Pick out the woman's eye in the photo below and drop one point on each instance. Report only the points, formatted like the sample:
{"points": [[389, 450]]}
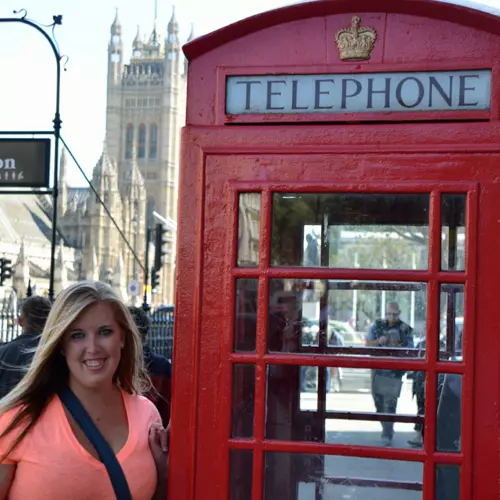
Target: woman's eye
{"points": [[106, 331], [77, 335]]}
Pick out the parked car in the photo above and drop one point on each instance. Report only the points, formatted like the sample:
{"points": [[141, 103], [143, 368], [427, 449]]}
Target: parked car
{"points": [[351, 337]]}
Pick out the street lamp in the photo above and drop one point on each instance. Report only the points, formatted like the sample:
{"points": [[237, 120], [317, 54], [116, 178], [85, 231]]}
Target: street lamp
{"points": [[135, 226]]}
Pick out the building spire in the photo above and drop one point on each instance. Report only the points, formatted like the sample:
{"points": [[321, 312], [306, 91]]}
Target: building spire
{"points": [[115, 52], [21, 271], [116, 27], [173, 25], [61, 271], [62, 201], [191, 33], [138, 44], [62, 167]]}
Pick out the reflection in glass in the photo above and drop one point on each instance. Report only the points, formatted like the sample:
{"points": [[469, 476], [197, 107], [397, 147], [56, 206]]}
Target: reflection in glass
{"points": [[447, 482], [452, 322], [453, 232], [347, 317], [248, 229], [243, 400], [312, 477], [351, 408], [312, 246], [240, 487], [350, 230], [245, 321], [449, 413]]}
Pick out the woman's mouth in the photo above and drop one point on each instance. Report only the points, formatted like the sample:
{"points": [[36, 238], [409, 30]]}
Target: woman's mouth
{"points": [[94, 364]]}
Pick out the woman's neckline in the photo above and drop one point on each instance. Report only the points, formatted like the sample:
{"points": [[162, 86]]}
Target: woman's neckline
{"points": [[80, 449]]}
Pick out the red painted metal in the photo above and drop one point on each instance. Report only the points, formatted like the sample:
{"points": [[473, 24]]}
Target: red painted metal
{"points": [[434, 153]]}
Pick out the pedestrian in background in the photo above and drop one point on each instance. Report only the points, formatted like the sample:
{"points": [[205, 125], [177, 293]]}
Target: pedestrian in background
{"points": [[76, 425], [16, 355], [387, 384], [158, 367]]}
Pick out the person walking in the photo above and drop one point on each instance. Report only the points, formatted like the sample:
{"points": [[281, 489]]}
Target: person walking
{"points": [[17, 354], [76, 426], [158, 367], [387, 384]]}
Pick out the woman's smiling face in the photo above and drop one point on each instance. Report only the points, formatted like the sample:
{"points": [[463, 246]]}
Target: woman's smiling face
{"points": [[92, 346]]}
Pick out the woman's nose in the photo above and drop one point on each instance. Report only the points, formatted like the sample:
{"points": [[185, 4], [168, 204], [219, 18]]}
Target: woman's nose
{"points": [[92, 342]]}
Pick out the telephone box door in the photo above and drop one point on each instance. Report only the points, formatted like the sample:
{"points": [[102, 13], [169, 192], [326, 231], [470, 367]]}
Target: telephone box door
{"points": [[337, 329]]}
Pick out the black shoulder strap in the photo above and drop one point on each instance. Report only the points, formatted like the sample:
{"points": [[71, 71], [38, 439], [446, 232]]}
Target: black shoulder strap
{"points": [[106, 454]]}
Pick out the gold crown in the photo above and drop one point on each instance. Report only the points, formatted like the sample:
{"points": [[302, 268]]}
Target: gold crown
{"points": [[355, 43]]}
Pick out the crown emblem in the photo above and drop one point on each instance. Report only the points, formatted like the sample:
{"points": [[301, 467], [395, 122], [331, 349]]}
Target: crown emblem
{"points": [[355, 43]]}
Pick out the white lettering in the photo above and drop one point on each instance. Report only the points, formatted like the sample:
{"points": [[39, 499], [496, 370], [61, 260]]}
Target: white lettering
{"points": [[8, 163]]}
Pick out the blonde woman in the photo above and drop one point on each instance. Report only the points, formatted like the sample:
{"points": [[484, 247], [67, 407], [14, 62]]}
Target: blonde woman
{"points": [[89, 350]]}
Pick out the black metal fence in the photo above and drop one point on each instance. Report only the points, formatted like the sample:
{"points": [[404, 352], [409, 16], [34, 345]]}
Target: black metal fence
{"points": [[160, 337], [9, 327], [161, 334]]}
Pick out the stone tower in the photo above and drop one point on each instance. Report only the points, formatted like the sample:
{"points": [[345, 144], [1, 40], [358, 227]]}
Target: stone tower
{"points": [[146, 101]]}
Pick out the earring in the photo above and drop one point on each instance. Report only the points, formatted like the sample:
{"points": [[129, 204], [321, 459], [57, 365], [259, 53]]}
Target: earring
{"points": [[123, 345]]}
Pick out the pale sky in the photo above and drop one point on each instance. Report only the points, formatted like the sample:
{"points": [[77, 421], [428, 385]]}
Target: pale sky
{"points": [[27, 81]]}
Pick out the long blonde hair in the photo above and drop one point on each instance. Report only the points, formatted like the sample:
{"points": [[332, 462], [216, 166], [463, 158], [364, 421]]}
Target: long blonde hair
{"points": [[49, 372]]}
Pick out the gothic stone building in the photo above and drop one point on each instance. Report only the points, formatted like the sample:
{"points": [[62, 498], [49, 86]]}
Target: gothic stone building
{"points": [[137, 173]]}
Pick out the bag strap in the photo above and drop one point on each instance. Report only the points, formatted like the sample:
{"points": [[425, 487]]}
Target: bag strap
{"points": [[106, 454]]}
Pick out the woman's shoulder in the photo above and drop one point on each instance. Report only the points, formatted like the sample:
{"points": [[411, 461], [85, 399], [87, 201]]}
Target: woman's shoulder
{"points": [[142, 407], [12, 425], [7, 417], [18, 417]]}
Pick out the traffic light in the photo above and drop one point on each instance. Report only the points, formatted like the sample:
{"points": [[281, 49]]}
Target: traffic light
{"points": [[155, 279], [160, 245], [5, 270]]}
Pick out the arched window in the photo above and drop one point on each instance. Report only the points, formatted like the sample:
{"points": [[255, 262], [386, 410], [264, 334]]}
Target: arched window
{"points": [[153, 141], [142, 141], [129, 141]]}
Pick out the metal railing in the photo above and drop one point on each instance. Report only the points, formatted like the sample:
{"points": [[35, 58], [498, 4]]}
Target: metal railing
{"points": [[9, 327], [161, 333]]}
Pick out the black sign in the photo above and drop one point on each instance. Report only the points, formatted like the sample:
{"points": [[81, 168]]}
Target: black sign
{"points": [[24, 162]]}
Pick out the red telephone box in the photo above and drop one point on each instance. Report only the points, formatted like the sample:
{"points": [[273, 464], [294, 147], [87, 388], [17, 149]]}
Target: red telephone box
{"points": [[338, 249]]}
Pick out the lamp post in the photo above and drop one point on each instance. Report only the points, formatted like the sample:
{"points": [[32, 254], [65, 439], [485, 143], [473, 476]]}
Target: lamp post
{"points": [[135, 226]]}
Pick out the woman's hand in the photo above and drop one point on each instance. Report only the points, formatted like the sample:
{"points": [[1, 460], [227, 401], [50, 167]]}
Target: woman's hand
{"points": [[158, 442]]}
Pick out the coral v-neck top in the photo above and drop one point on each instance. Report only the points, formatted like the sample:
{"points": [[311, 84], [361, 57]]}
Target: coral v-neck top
{"points": [[52, 464]]}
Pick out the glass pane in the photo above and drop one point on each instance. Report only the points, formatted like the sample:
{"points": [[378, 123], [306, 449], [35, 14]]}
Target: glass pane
{"points": [[243, 400], [447, 482], [452, 322], [248, 229], [245, 321], [313, 477], [449, 413], [371, 231], [363, 407], [309, 376], [453, 232], [240, 487], [347, 317]]}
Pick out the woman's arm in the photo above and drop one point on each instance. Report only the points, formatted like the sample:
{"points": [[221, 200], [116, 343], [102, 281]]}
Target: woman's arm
{"points": [[7, 472], [161, 487], [158, 442]]}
